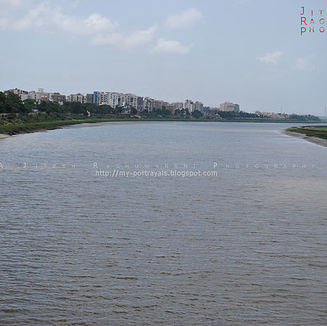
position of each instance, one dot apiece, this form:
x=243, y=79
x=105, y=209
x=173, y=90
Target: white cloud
x=35, y=17
x=101, y=29
x=93, y=24
x=45, y=15
x=167, y=46
x=271, y=57
x=132, y=39
x=185, y=19
x=98, y=23
x=304, y=64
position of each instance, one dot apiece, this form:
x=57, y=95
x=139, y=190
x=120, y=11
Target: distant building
x=171, y=108
x=189, y=105
x=193, y=106
x=158, y=105
x=76, y=98
x=96, y=97
x=178, y=105
x=116, y=99
x=40, y=95
x=103, y=98
x=89, y=98
x=198, y=106
x=57, y=97
x=229, y=107
x=139, y=104
x=148, y=104
x=21, y=93
x=129, y=100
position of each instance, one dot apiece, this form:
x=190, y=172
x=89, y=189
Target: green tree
x=197, y=114
x=13, y=104
x=2, y=102
x=29, y=105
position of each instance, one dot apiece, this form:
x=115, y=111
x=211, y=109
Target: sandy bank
x=315, y=140
x=2, y=136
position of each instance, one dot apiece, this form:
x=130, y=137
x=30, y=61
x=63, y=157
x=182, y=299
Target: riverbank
x=313, y=134
x=14, y=129
x=28, y=127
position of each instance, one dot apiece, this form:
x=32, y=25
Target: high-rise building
x=89, y=98
x=189, y=105
x=41, y=95
x=114, y=99
x=198, y=106
x=139, y=104
x=57, y=97
x=178, y=105
x=76, y=98
x=229, y=107
x=148, y=104
x=96, y=97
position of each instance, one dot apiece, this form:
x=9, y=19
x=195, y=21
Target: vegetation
x=256, y=116
x=16, y=128
x=311, y=131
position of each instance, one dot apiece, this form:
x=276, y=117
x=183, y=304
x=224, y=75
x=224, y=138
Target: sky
x=248, y=52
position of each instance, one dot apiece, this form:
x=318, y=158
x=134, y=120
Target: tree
x=197, y=114
x=2, y=102
x=29, y=105
x=77, y=108
x=13, y=104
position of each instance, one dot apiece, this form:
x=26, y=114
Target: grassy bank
x=17, y=128
x=310, y=131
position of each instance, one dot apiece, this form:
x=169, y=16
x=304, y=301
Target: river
x=163, y=223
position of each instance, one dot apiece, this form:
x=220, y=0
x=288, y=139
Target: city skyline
x=248, y=52
x=118, y=99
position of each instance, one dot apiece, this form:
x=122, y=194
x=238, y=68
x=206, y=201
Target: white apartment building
x=148, y=104
x=189, y=105
x=139, y=105
x=193, y=106
x=76, y=98
x=114, y=99
x=129, y=100
x=229, y=107
x=178, y=105
x=198, y=106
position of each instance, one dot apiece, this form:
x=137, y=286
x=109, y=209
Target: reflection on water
x=244, y=247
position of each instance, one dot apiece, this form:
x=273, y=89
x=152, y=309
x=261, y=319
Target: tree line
x=12, y=105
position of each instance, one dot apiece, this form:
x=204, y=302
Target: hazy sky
x=245, y=51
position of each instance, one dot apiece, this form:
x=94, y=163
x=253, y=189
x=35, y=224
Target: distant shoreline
x=15, y=129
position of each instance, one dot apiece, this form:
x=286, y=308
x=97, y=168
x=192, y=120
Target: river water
x=163, y=223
